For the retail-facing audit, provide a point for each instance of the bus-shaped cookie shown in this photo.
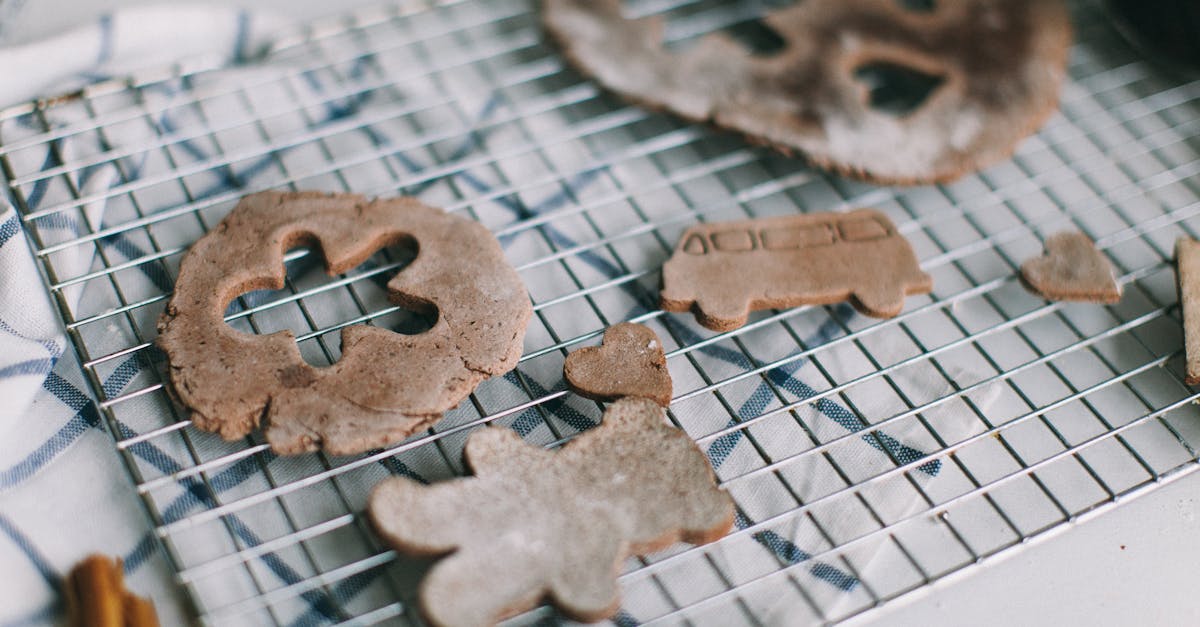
(722, 271)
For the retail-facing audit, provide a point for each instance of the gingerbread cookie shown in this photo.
(1187, 257)
(534, 523)
(722, 271)
(386, 385)
(629, 362)
(96, 597)
(1071, 269)
(892, 91)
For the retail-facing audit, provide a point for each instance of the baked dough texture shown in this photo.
(533, 523)
(629, 362)
(1071, 269)
(386, 385)
(721, 271)
(990, 71)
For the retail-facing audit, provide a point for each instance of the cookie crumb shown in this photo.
(589, 519)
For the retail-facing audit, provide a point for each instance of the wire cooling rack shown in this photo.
(868, 458)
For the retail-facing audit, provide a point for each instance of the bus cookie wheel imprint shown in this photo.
(723, 271)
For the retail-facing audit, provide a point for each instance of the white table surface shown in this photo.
(1132, 565)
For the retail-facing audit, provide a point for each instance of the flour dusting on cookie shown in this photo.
(984, 74)
(533, 524)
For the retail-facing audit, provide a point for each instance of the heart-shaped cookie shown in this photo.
(1071, 269)
(631, 486)
(629, 363)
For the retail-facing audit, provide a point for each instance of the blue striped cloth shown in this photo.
(63, 491)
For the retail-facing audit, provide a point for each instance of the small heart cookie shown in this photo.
(629, 363)
(1071, 269)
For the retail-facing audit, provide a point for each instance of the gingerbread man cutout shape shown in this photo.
(533, 523)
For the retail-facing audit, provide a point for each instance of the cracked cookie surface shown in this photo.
(386, 385)
(885, 90)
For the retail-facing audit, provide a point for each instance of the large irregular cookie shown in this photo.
(534, 523)
(722, 271)
(1071, 269)
(630, 362)
(841, 89)
(1187, 257)
(386, 385)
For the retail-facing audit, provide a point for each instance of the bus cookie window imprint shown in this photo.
(723, 271)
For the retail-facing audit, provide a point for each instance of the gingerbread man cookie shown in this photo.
(386, 385)
(534, 523)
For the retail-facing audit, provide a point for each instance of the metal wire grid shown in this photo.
(868, 458)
